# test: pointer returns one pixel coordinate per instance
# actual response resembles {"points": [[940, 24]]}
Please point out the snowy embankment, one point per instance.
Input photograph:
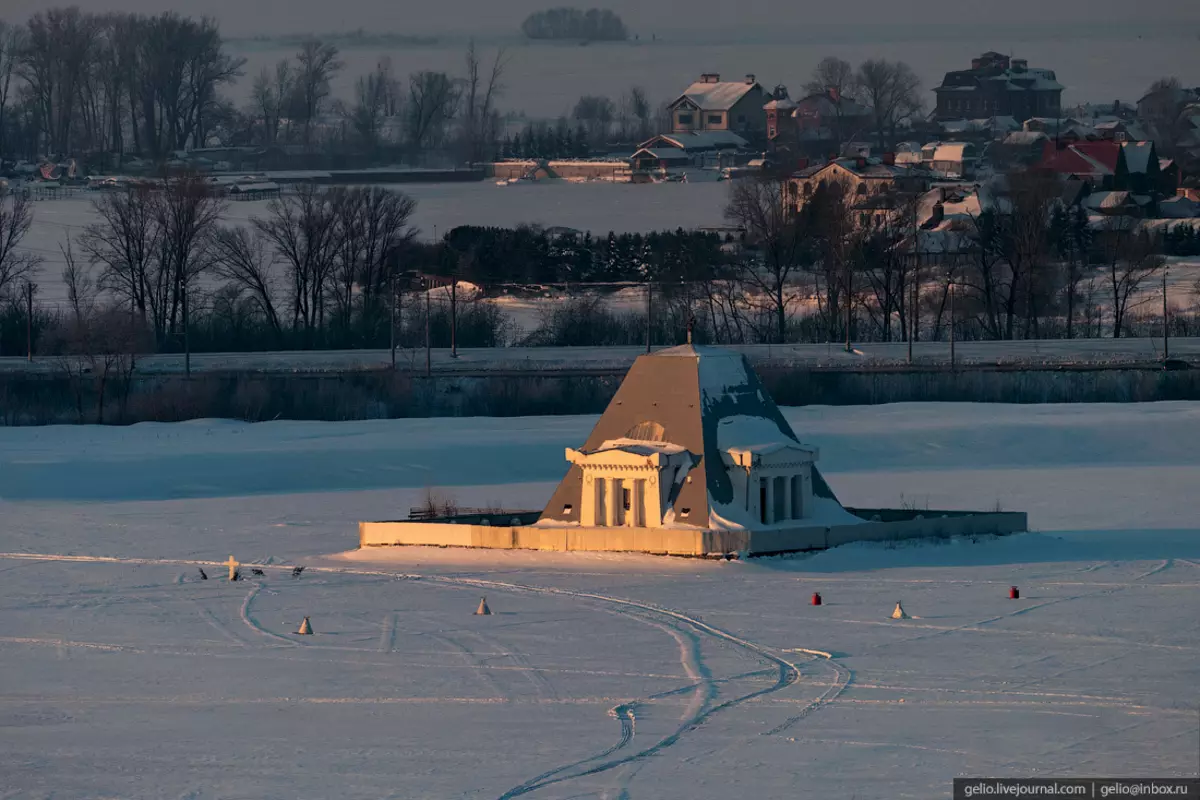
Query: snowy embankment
{"points": [[1033, 353], [597, 675]]}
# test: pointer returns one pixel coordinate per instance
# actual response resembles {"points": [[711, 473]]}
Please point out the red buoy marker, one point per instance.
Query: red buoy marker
{"points": [[1014, 593], [816, 598]]}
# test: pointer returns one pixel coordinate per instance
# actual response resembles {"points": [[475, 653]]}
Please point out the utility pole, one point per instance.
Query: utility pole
{"points": [[392, 314], [428, 354], [29, 320], [951, 323], [849, 305], [649, 289], [453, 317], [1166, 350], [187, 345]]}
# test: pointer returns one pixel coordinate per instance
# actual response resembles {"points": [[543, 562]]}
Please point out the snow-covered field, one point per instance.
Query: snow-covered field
{"points": [[598, 676]]}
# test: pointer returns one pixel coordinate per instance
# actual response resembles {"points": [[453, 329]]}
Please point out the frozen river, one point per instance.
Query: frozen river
{"points": [[598, 675]]}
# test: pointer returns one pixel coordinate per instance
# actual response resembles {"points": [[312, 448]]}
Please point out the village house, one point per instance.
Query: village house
{"points": [[997, 85], [957, 160], [828, 119], [1112, 166], [689, 149], [862, 177], [711, 104]]}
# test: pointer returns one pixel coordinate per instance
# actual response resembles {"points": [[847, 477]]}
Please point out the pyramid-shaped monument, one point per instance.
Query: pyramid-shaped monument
{"points": [[692, 439], [691, 457]]}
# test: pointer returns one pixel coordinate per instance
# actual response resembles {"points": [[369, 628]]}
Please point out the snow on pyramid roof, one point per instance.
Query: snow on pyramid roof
{"points": [[706, 400]]}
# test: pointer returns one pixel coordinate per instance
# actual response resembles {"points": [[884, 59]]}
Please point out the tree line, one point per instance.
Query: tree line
{"points": [[106, 85], [161, 269], [592, 25]]}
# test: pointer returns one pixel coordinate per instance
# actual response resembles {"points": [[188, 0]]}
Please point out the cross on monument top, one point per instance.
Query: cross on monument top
{"points": [[233, 565]]}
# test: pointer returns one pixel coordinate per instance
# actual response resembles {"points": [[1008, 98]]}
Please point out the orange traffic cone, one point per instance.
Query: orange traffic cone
{"points": [[305, 628], [900, 613], [483, 610]]}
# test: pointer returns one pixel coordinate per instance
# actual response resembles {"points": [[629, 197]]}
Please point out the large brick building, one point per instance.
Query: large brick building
{"points": [[997, 86]]}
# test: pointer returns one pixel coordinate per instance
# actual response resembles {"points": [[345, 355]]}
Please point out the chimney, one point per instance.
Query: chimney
{"points": [[750, 81], [710, 77], [860, 162]]}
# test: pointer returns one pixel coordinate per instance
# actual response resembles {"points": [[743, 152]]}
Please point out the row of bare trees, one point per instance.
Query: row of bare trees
{"points": [[75, 83], [1025, 266], [316, 256]]}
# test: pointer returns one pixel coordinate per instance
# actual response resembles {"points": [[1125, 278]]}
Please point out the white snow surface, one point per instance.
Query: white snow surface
{"points": [[598, 675]]}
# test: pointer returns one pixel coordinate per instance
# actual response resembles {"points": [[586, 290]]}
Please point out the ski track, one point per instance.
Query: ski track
{"points": [[253, 624], [472, 660], [536, 676], [387, 639]]}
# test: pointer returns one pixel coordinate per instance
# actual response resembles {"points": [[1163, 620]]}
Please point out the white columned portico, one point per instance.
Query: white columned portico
{"points": [[647, 471]]}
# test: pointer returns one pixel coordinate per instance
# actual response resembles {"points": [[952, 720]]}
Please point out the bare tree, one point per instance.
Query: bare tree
{"points": [[1131, 256], [596, 113], [125, 243], [303, 229], [59, 45], [892, 90], [479, 98], [433, 99], [1160, 109], [270, 94], [187, 214], [316, 64], [12, 42], [16, 263], [832, 73], [244, 257], [761, 206], [1023, 240], [642, 112], [95, 346]]}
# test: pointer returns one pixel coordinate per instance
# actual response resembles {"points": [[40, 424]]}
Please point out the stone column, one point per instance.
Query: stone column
{"points": [[769, 512], [611, 499]]}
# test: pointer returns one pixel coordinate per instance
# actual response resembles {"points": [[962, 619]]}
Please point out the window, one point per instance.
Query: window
{"points": [[626, 498], [714, 119], [762, 500], [797, 497], [685, 119]]}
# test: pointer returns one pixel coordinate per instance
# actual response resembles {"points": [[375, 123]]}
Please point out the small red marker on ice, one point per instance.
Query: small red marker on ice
{"points": [[816, 598], [1014, 593]]}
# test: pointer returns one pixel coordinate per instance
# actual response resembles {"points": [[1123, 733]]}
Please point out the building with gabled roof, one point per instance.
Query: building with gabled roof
{"points": [[861, 176], [711, 104], [691, 457]]}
